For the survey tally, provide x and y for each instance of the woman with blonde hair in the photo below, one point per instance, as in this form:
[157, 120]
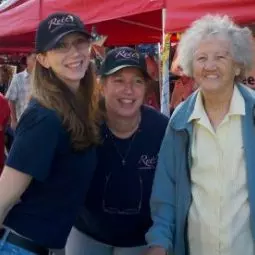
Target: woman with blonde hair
[47, 173]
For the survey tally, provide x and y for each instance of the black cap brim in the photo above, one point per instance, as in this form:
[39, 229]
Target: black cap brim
[54, 42]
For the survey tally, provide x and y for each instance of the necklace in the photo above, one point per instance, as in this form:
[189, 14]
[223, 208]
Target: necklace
[125, 156]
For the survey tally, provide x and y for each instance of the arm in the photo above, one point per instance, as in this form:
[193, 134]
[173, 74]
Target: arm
[12, 185]
[163, 199]
[13, 115]
[12, 95]
[31, 156]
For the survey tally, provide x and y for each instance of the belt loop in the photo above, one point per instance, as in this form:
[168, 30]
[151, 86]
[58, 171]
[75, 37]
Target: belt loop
[4, 238]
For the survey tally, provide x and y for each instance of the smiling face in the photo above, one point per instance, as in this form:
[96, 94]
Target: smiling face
[124, 92]
[69, 59]
[214, 69]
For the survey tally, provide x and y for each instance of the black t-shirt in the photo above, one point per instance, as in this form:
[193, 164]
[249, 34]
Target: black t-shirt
[49, 206]
[117, 208]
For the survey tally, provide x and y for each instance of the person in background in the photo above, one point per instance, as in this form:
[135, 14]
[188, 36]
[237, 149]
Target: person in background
[22, 64]
[4, 119]
[52, 159]
[183, 88]
[203, 198]
[152, 95]
[5, 78]
[19, 91]
[5, 74]
[116, 214]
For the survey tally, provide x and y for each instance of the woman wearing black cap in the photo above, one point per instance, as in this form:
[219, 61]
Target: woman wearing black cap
[52, 158]
[116, 214]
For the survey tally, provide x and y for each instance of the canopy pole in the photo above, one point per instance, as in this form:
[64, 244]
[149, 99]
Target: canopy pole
[163, 26]
[40, 10]
[165, 92]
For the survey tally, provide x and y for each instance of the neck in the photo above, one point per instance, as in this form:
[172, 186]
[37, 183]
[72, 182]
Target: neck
[123, 127]
[74, 88]
[217, 105]
[218, 101]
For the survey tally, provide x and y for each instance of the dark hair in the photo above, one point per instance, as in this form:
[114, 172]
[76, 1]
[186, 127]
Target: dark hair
[23, 61]
[6, 74]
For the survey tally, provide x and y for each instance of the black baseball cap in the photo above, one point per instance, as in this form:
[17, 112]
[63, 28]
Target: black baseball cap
[57, 25]
[122, 57]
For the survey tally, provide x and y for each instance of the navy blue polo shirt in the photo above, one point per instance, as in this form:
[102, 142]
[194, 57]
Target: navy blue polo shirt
[61, 176]
[117, 208]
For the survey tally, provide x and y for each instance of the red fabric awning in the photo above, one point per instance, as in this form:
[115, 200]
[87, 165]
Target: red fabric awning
[181, 13]
[123, 21]
[94, 11]
[20, 19]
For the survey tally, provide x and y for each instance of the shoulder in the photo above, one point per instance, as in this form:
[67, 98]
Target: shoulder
[19, 76]
[36, 114]
[15, 80]
[22, 74]
[247, 92]
[153, 118]
[186, 107]
[37, 108]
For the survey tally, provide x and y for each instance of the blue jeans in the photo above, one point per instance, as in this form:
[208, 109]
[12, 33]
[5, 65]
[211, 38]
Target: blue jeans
[10, 249]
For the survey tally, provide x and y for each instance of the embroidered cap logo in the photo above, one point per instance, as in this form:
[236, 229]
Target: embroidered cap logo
[124, 54]
[61, 21]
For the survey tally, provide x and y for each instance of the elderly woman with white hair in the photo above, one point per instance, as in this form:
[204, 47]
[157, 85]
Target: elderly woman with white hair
[203, 198]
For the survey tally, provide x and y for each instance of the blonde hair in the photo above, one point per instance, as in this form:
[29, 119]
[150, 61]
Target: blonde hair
[76, 110]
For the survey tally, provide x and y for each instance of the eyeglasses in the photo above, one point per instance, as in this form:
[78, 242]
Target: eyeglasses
[121, 211]
[79, 44]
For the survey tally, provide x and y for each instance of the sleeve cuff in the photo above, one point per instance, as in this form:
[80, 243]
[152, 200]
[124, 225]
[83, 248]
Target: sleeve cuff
[154, 239]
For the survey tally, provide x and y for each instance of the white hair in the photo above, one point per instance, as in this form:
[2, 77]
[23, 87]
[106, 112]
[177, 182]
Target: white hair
[241, 41]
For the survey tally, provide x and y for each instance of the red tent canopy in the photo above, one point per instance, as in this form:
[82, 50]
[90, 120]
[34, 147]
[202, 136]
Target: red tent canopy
[181, 13]
[123, 21]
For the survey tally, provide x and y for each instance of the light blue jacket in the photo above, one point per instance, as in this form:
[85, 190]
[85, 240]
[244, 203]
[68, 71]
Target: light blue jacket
[171, 195]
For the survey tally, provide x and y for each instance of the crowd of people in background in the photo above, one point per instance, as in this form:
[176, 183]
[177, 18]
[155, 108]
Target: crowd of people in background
[91, 166]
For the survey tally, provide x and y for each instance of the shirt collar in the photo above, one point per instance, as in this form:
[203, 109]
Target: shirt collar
[237, 106]
[199, 110]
